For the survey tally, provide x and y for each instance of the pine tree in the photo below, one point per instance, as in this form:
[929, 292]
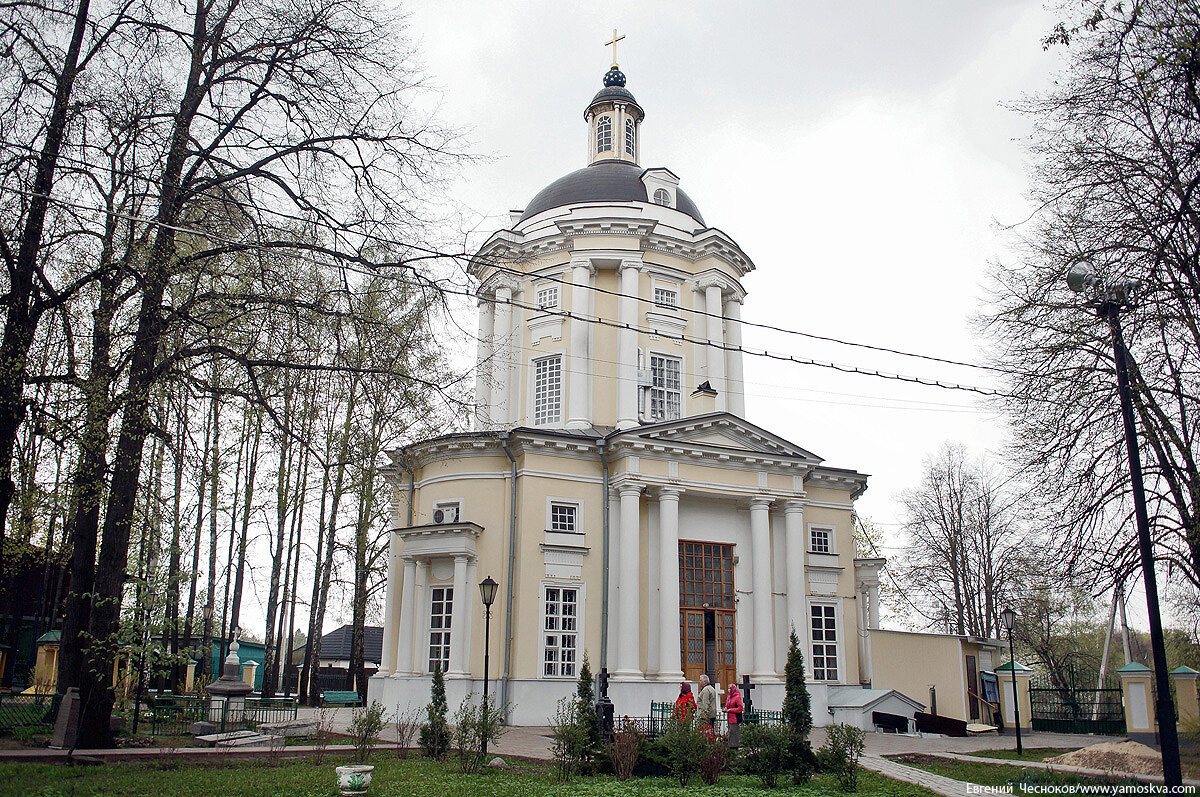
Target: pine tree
[435, 733]
[585, 697]
[797, 713]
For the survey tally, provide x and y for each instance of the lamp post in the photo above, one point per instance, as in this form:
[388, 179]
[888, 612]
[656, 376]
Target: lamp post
[1109, 299]
[487, 591]
[1008, 619]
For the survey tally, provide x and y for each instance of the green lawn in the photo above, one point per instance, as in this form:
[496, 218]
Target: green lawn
[999, 774]
[1028, 754]
[415, 778]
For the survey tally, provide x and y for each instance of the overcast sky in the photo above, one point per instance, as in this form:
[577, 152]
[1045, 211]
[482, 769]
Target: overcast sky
[860, 153]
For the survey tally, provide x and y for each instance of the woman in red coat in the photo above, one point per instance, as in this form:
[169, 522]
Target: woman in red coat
[733, 713]
[685, 704]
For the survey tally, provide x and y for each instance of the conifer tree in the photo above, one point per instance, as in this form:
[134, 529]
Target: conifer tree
[797, 713]
[585, 696]
[435, 733]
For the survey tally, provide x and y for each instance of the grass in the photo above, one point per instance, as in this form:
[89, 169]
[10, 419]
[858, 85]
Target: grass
[998, 775]
[393, 778]
[1028, 754]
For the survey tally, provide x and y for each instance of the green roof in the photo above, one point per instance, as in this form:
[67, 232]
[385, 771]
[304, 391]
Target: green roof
[50, 637]
[1134, 666]
[1184, 670]
[1008, 666]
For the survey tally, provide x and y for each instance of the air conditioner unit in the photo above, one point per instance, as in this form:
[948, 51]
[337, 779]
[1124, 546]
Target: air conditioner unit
[446, 514]
[644, 379]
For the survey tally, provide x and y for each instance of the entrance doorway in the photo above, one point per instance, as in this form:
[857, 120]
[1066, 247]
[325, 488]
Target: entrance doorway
[706, 611]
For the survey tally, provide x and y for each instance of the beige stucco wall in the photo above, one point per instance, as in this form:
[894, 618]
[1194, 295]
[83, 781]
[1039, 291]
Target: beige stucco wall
[911, 662]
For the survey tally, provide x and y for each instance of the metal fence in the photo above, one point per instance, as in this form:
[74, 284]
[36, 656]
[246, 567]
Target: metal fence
[27, 711]
[173, 716]
[1078, 707]
[661, 714]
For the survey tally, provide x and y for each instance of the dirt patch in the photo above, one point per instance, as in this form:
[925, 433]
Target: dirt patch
[1131, 757]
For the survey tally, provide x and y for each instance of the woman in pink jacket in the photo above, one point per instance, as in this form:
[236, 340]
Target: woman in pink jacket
[733, 713]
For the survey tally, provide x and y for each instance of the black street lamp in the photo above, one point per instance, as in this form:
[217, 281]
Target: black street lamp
[487, 591]
[1109, 299]
[1008, 618]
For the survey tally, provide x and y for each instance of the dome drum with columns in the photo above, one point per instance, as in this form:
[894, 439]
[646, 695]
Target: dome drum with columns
[612, 484]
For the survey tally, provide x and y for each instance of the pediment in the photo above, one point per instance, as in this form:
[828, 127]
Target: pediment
[720, 431]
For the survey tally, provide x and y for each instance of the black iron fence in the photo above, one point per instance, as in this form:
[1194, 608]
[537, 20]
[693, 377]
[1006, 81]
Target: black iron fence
[174, 716]
[1077, 706]
[27, 711]
[661, 714]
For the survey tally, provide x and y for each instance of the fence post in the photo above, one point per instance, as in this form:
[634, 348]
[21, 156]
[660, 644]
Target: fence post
[1136, 689]
[1187, 702]
[1004, 674]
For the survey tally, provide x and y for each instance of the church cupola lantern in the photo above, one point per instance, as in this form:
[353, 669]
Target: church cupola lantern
[614, 117]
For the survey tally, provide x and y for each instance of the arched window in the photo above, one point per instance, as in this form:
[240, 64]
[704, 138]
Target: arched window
[630, 138]
[661, 197]
[604, 134]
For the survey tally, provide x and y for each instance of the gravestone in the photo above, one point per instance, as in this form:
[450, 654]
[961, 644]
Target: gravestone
[66, 725]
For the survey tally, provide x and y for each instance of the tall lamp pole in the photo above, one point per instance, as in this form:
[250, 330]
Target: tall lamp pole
[1008, 619]
[1110, 300]
[487, 591]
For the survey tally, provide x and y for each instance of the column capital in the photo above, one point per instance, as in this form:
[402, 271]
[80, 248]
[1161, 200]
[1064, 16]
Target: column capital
[630, 487]
[500, 281]
[714, 279]
[633, 263]
[670, 492]
[583, 262]
[791, 505]
[461, 557]
[762, 501]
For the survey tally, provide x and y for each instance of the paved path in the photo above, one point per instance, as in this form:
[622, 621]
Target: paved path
[938, 784]
[1056, 767]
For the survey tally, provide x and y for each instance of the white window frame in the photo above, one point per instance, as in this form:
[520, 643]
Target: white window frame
[604, 133]
[445, 631]
[448, 503]
[552, 503]
[839, 629]
[662, 197]
[666, 288]
[630, 138]
[533, 390]
[832, 536]
[653, 388]
[580, 602]
[547, 297]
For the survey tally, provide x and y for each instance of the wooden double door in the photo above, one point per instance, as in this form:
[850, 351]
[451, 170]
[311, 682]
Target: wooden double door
[706, 611]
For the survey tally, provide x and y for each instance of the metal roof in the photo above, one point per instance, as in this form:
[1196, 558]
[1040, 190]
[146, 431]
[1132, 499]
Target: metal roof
[603, 181]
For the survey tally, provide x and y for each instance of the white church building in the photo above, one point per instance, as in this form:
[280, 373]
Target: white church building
[612, 484]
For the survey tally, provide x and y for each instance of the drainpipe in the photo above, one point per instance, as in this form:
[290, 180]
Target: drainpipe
[512, 562]
[411, 490]
[604, 581]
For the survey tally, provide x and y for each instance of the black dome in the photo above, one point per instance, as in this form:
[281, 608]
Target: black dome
[617, 93]
[603, 181]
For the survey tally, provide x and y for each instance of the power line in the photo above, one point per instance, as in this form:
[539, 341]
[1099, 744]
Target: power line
[251, 246]
[500, 266]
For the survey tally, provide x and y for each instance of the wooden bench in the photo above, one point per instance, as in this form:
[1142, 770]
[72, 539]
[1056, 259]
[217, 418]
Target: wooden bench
[347, 698]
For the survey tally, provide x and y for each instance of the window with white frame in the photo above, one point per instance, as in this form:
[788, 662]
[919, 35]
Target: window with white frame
[604, 134]
[547, 389]
[547, 297]
[563, 516]
[662, 197]
[439, 627]
[665, 297]
[630, 138]
[820, 539]
[665, 397]
[824, 642]
[560, 652]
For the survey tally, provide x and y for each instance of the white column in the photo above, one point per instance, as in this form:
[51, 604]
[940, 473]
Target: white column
[483, 366]
[700, 332]
[668, 583]
[733, 357]
[469, 617]
[873, 597]
[793, 529]
[458, 617]
[404, 648]
[501, 344]
[864, 650]
[629, 649]
[387, 661]
[420, 650]
[613, 565]
[579, 389]
[716, 340]
[760, 555]
[627, 413]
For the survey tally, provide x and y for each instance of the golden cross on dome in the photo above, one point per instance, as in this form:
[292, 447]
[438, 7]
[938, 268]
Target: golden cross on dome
[613, 42]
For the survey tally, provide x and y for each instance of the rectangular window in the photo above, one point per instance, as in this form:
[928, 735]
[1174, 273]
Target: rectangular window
[824, 643]
[562, 516]
[547, 389]
[439, 627]
[664, 388]
[667, 298]
[547, 298]
[561, 632]
[821, 542]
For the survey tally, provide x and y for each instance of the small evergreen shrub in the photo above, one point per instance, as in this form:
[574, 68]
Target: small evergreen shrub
[366, 723]
[840, 753]
[797, 714]
[472, 724]
[435, 733]
[685, 746]
[765, 752]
